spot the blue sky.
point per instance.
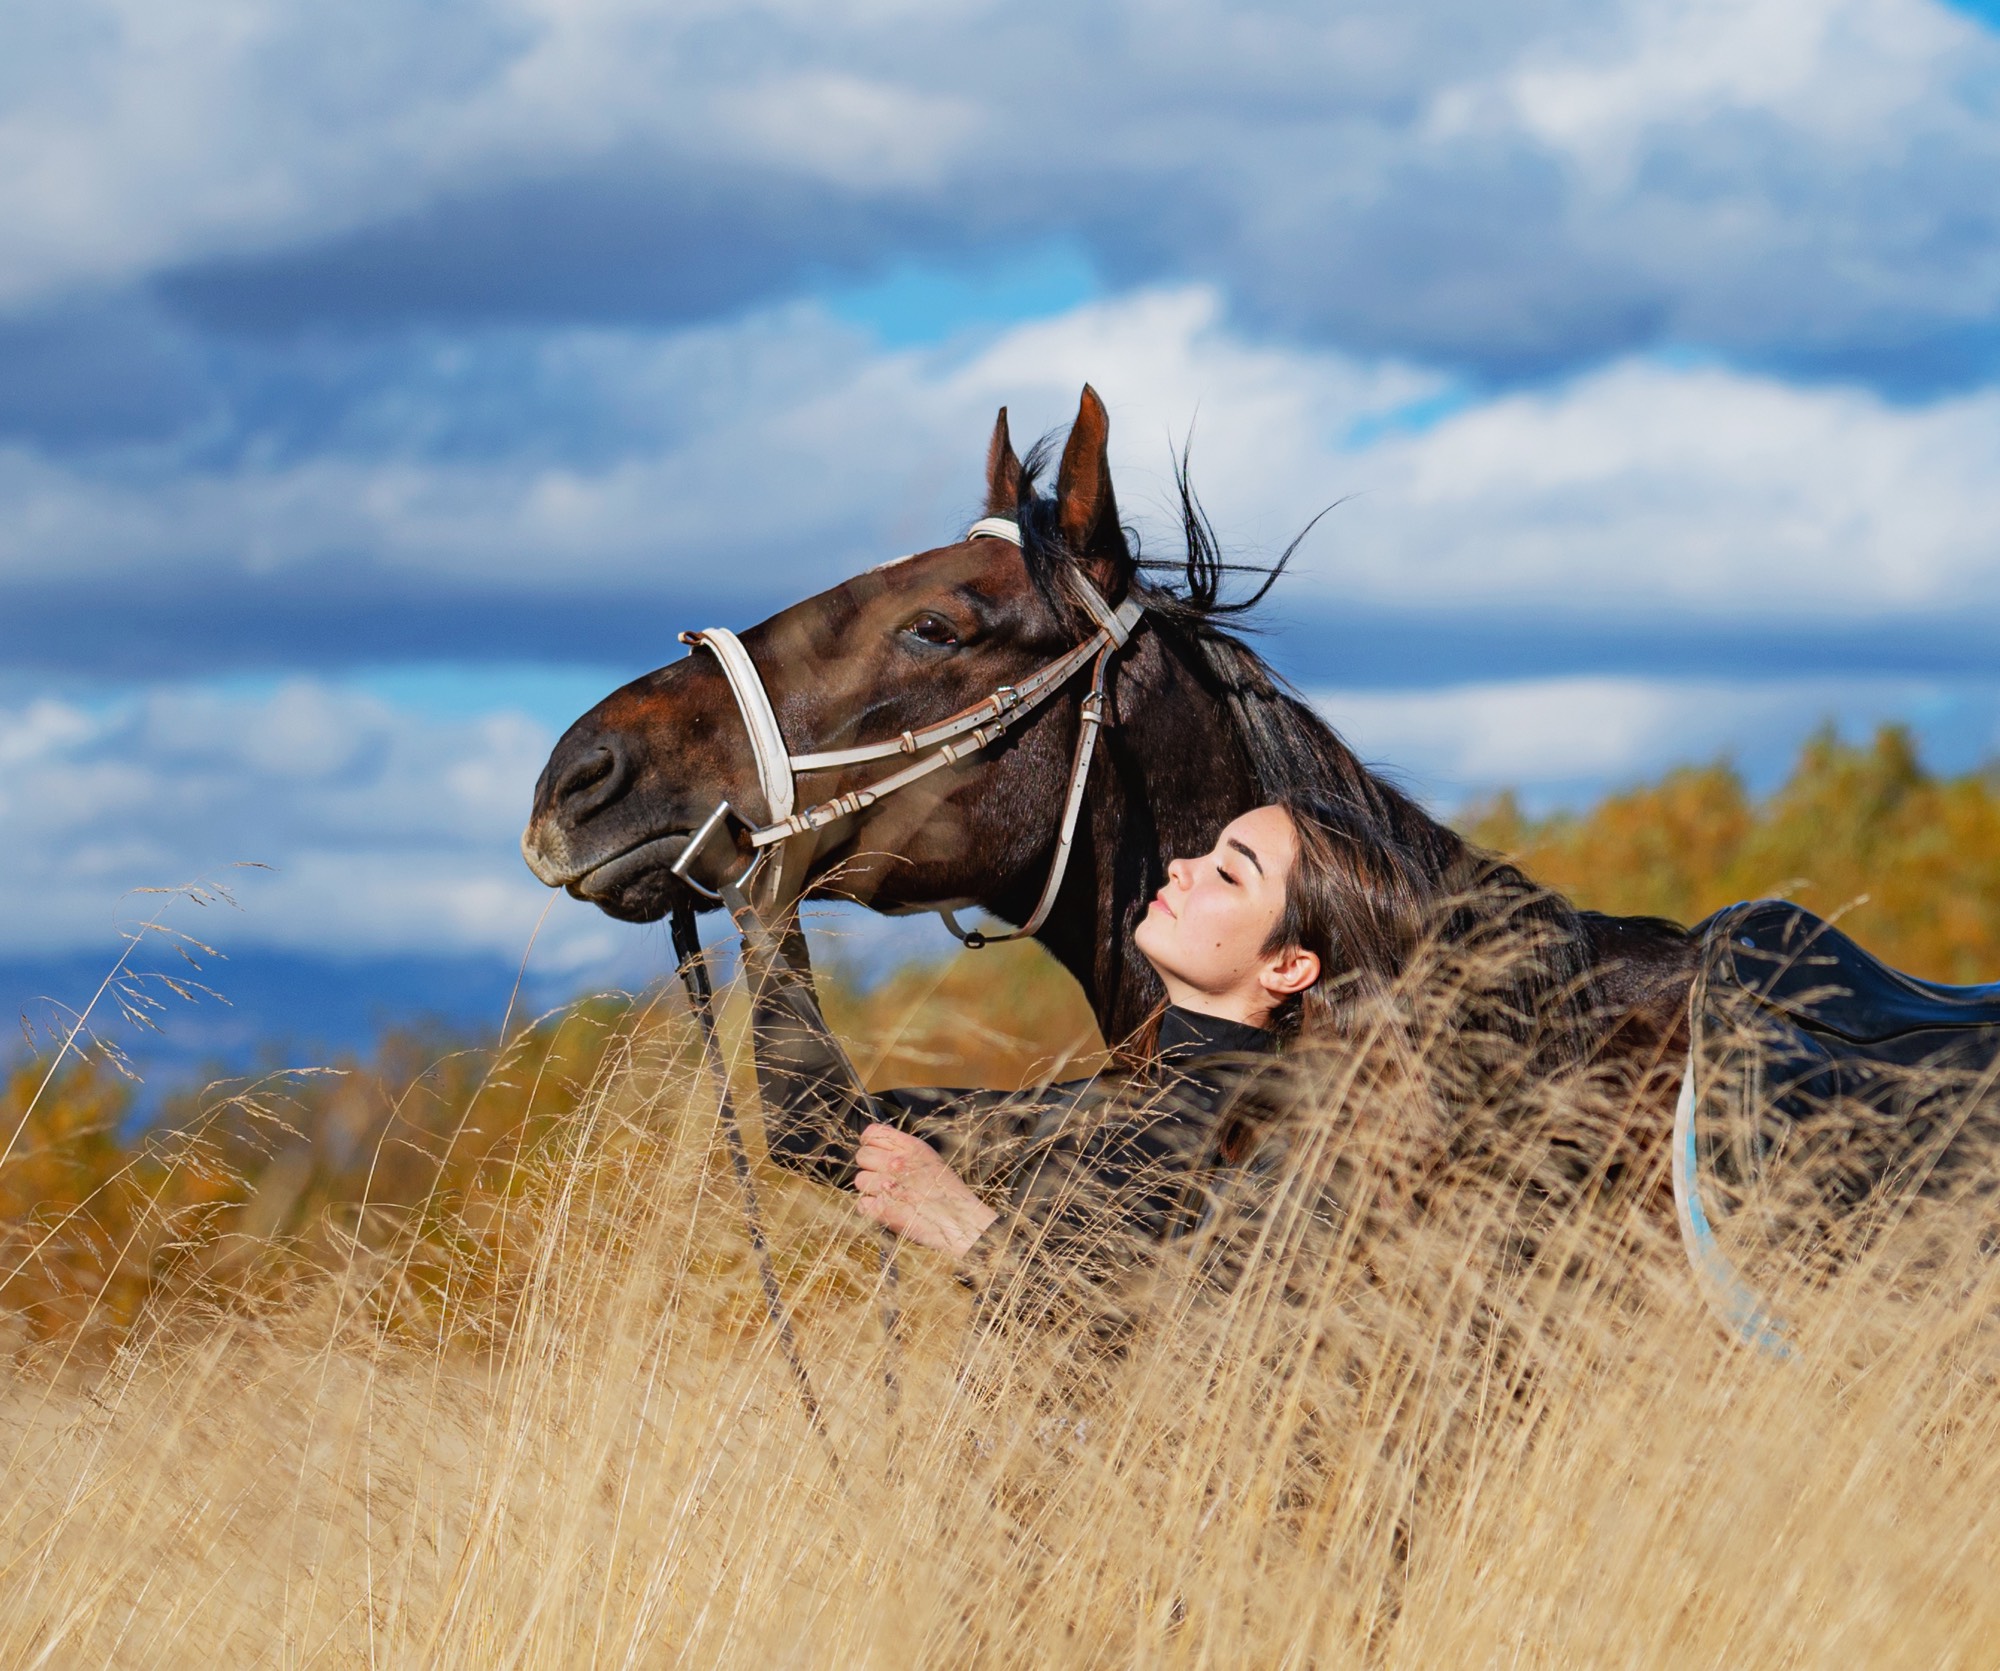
(378, 384)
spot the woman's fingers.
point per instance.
(888, 1212)
(870, 1155)
(902, 1183)
(885, 1169)
(896, 1153)
(887, 1140)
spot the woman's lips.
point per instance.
(1160, 904)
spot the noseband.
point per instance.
(929, 749)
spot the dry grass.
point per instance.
(1467, 1413)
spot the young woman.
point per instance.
(1261, 942)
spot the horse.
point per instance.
(1196, 728)
(994, 670)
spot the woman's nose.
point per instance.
(1177, 872)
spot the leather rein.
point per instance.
(928, 748)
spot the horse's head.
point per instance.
(888, 652)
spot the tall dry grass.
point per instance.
(522, 1408)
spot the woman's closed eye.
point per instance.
(1226, 876)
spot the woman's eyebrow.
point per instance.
(1252, 857)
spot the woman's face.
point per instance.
(1207, 929)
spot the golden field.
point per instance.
(460, 1359)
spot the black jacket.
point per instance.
(1085, 1175)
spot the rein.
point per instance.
(930, 748)
(701, 999)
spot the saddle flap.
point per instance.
(1816, 1059)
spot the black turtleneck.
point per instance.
(1147, 1155)
(1186, 1035)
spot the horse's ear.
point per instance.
(1003, 472)
(1085, 509)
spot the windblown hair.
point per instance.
(1387, 875)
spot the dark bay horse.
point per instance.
(1197, 729)
(1025, 721)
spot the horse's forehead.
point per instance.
(825, 619)
(963, 554)
(945, 565)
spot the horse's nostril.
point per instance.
(592, 781)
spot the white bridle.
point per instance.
(930, 748)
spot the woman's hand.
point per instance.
(903, 1183)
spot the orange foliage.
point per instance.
(1916, 855)
(1006, 1015)
(416, 1163)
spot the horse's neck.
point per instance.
(1170, 775)
(1174, 770)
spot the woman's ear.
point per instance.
(1291, 970)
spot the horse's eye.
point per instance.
(933, 629)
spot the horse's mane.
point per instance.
(1290, 748)
(1292, 752)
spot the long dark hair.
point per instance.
(1353, 897)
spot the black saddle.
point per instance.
(1813, 1054)
(1792, 964)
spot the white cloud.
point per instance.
(40, 729)
(1568, 740)
(146, 133)
(1840, 70)
(1526, 732)
(1645, 486)
(794, 445)
(852, 130)
(390, 830)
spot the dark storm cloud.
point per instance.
(192, 623)
(98, 371)
(622, 243)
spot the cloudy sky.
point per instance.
(381, 383)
